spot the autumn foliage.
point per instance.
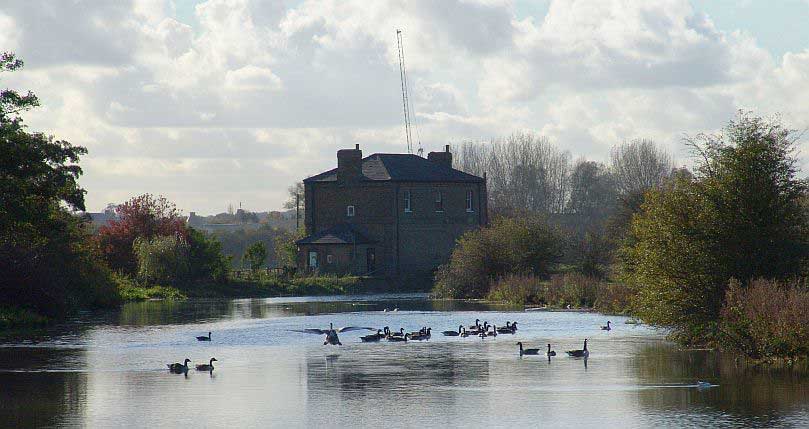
(144, 217)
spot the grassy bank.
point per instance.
(12, 317)
(259, 285)
(563, 291)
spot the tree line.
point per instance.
(708, 252)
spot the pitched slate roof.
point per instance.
(343, 233)
(398, 167)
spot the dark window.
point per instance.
(407, 206)
(469, 198)
(439, 202)
(350, 211)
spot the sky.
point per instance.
(215, 102)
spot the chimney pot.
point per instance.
(446, 148)
(357, 146)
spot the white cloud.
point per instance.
(252, 78)
(254, 95)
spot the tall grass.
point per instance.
(562, 290)
(767, 319)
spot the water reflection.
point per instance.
(752, 396)
(109, 369)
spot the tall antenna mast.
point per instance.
(405, 100)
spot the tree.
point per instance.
(255, 255)
(739, 216)
(297, 196)
(525, 172)
(524, 245)
(163, 260)
(639, 165)
(47, 262)
(592, 190)
(144, 216)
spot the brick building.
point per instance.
(388, 215)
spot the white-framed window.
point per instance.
(407, 207)
(312, 259)
(350, 211)
(439, 202)
(329, 259)
(469, 198)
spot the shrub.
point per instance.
(518, 289)
(767, 319)
(509, 246)
(573, 289)
(163, 259)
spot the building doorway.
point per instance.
(370, 259)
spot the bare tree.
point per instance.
(639, 165)
(525, 172)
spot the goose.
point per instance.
(399, 339)
(492, 333)
(579, 353)
(399, 334)
(550, 352)
(505, 329)
(373, 337)
(513, 327)
(179, 368)
(476, 325)
(464, 334)
(204, 338)
(527, 351)
(606, 328)
(206, 366)
(453, 333)
(422, 335)
(331, 333)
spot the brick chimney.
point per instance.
(444, 158)
(349, 165)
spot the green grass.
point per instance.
(263, 285)
(129, 290)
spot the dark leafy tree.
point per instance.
(740, 216)
(255, 255)
(47, 262)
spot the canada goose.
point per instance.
(206, 366)
(527, 351)
(492, 333)
(606, 328)
(331, 333)
(399, 334)
(464, 334)
(179, 368)
(373, 337)
(505, 329)
(476, 325)
(204, 338)
(453, 333)
(424, 334)
(399, 339)
(579, 353)
(550, 352)
(513, 327)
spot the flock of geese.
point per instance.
(331, 338)
(476, 330)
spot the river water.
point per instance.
(109, 370)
